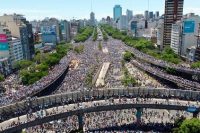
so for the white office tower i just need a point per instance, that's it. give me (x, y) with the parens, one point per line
(160, 29)
(183, 34)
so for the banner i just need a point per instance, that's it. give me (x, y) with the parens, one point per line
(4, 49)
(48, 30)
(189, 26)
(3, 38)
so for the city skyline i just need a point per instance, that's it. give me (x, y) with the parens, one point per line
(79, 9)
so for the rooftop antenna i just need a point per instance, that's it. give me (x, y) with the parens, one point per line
(148, 5)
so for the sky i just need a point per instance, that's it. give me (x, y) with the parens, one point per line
(80, 9)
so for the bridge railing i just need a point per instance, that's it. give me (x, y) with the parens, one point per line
(78, 112)
(77, 96)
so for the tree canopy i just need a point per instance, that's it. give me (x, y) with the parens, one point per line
(189, 126)
(1, 77)
(127, 56)
(32, 71)
(84, 34)
(196, 64)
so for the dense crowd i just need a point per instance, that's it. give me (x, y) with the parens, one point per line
(98, 120)
(13, 94)
(158, 72)
(148, 58)
(142, 78)
(115, 56)
(90, 60)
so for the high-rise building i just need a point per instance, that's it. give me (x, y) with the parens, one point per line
(173, 13)
(129, 14)
(150, 15)
(65, 26)
(146, 15)
(123, 22)
(49, 34)
(197, 52)
(92, 19)
(16, 52)
(160, 29)
(157, 15)
(133, 26)
(117, 12)
(176, 37)
(20, 28)
(183, 35)
(10, 50)
(51, 31)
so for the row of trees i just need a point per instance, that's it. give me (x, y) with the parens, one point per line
(128, 79)
(89, 77)
(143, 45)
(84, 34)
(95, 34)
(105, 37)
(32, 71)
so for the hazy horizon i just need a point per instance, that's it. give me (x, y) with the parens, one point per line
(80, 9)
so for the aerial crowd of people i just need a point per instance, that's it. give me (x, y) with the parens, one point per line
(87, 63)
(188, 84)
(98, 120)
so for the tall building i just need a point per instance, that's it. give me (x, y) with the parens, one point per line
(197, 52)
(157, 15)
(51, 31)
(183, 35)
(65, 26)
(117, 12)
(150, 15)
(10, 50)
(123, 22)
(5, 36)
(146, 15)
(92, 19)
(176, 37)
(20, 28)
(160, 29)
(16, 52)
(133, 27)
(173, 13)
(129, 14)
(49, 34)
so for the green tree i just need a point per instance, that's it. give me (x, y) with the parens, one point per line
(95, 34)
(196, 64)
(42, 67)
(127, 56)
(1, 77)
(22, 64)
(189, 126)
(84, 34)
(128, 80)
